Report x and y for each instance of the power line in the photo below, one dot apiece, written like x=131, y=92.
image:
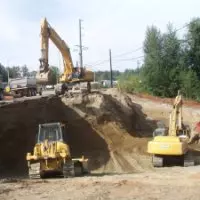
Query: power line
x=133, y=51
x=129, y=59
x=185, y=26
x=123, y=54
x=129, y=52
x=181, y=28
x=99, y=63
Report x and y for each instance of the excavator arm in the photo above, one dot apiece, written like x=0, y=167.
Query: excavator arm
x=47, y=32
x=175, y=120
x=44, y=75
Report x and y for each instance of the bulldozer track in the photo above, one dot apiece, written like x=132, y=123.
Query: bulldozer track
x=68, y=170
x=34, y=171
x=188, y=160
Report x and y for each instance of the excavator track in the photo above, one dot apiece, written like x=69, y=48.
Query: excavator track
x=68, y=170
x=34, y=171
x=157, y=161
x=188, y=160
x=78, y=169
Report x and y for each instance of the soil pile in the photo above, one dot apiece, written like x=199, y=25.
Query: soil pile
x=105, y=127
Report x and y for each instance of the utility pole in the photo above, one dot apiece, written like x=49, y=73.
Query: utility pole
x=138, y=64
x=111, y=77
x=8, y=75
x=8, y=71
x=80, y=45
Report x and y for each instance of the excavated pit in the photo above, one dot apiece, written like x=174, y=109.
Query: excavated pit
x=107, y=128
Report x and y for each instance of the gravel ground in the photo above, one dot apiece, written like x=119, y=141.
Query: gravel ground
x=167, y=183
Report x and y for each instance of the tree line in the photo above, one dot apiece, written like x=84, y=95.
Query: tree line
x=15, y=72
x=170, y=63
x=23, y=71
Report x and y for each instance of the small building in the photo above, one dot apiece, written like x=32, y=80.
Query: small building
x=107, y=83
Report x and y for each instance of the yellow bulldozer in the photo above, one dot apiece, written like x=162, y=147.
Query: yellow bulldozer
x=51, y=155
x=170, y=145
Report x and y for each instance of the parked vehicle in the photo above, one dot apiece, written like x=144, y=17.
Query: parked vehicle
x=25, y=86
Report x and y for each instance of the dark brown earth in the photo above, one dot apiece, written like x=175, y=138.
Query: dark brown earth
x=108, y=129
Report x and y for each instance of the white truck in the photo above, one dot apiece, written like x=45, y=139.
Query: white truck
x=25, y=86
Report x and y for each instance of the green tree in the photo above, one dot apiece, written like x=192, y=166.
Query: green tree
x=105, y=75
x=25, y=71
x=171, y=55
x=190, y=85
x=33, y=73
x=14, y=72
x=193, y=38
x=3, y=73
x=163, y=62
x=153, y=73
x=54, y=75
x=130, y=83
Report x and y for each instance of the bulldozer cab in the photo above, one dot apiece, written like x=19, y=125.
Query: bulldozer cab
x=52, y=132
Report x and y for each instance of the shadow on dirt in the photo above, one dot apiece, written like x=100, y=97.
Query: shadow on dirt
x=18, y=128
x=123, y=111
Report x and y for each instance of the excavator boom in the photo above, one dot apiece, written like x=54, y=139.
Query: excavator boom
x=175, y=119
x=44, y=74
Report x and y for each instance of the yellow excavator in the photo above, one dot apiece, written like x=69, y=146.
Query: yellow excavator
x=170, y=145
x=71, y=75
x=51, y=155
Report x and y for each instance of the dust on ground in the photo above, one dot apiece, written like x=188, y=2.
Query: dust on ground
x=166, y=183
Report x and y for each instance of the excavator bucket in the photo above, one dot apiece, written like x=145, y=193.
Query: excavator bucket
x=43, y=77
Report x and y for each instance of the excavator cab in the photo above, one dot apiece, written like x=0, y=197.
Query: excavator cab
x=160, y=131
x=52, y=132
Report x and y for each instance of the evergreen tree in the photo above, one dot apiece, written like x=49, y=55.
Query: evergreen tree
x=193, y=38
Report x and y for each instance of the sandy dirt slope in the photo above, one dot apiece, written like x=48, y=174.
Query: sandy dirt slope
x=159, y=109
x=103, y=127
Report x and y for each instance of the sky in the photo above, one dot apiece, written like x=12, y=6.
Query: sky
x=118, y=25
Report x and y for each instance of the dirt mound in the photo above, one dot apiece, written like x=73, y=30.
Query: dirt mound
x=102, y=126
